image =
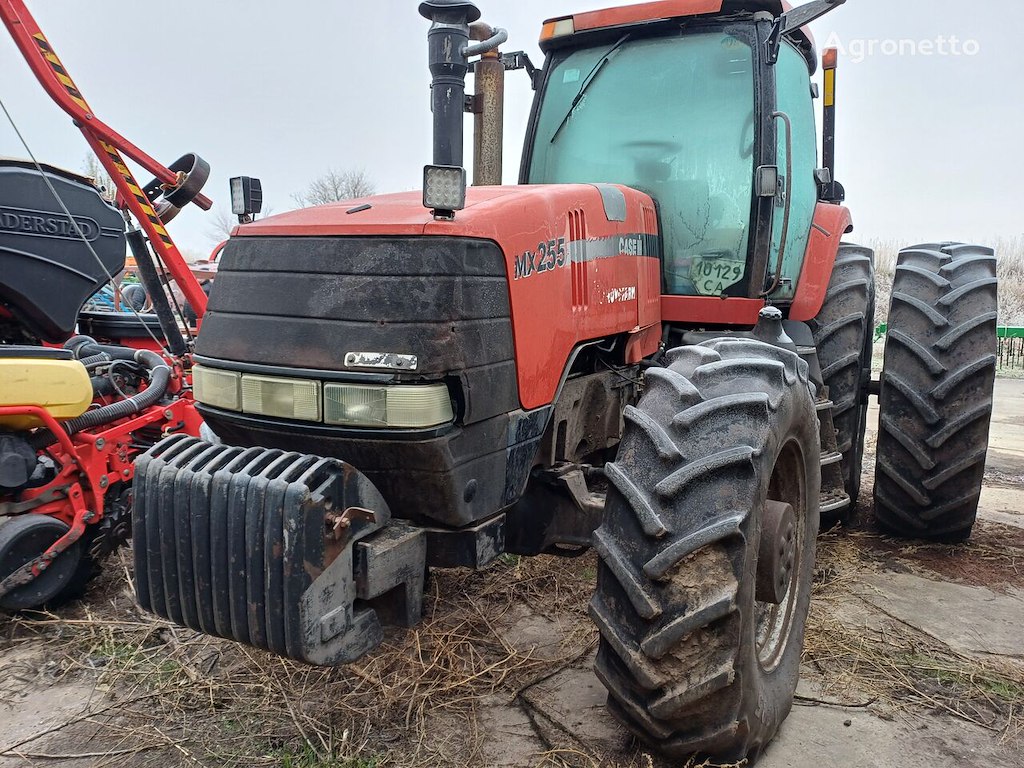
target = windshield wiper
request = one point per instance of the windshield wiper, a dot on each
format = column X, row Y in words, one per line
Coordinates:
column 591, row 76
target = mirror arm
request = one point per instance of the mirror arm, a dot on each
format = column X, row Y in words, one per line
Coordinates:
column 792, row 21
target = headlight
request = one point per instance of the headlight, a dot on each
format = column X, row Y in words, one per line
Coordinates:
column 221, row 389
column 413, row 406
column 283, row 398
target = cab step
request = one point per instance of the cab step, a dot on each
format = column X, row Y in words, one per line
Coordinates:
column 833, row 457
column 833, row 502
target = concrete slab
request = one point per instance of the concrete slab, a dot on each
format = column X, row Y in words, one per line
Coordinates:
column 575, row 700
column 832, row 737
column 511, row 738
column 47, row 707
column 968, row 619
column 1002, row 505
column 531, row 634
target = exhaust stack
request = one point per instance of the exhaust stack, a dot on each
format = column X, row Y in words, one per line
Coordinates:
column 488, row 110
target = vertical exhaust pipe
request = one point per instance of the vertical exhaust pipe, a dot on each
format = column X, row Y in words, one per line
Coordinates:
column 447, row 45
column 489, row 111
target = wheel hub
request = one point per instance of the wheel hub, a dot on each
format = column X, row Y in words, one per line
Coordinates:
column 777, row 553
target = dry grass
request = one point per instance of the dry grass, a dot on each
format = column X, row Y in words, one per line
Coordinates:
column 167, row 697
column 1011, row 275
column 414, row 701
column 866, row 658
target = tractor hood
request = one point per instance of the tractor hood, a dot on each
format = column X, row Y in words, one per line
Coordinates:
column 488, row 214
column 380, row 274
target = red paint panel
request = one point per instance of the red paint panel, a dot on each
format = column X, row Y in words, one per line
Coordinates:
column 643, row 344
column 547, row 323
column 830, row 223
column 710, row 310
column 661, row 9
column 634, row 14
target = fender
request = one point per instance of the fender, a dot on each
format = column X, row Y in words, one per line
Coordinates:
column 830, row 223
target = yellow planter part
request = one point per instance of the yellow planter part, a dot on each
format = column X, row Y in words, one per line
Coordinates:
column 62, row 387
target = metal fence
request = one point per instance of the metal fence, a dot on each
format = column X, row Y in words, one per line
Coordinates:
column 1011, row 346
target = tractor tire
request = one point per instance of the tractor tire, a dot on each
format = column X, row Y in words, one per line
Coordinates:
column 693, row 660
column 936, row 397
column 844, row 335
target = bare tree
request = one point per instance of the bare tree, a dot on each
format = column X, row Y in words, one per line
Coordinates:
column 91, row 167
column 220, row 225
column 333, row 185
column 222, row 221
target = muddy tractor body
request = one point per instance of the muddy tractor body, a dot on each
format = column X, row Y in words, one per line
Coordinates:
column 656, row 344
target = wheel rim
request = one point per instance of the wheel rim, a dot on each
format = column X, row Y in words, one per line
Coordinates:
column 774, row 621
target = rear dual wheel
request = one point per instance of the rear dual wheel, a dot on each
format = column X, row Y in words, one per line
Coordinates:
column 844, row 336
column 707, row 550
column 937, row 391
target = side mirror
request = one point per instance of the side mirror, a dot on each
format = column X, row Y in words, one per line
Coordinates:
column 766, row 181
column 246, row 197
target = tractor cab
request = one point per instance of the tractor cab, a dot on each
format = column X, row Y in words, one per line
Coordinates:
column 706, row 107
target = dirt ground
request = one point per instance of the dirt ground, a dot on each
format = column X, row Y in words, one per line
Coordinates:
column 914, row 657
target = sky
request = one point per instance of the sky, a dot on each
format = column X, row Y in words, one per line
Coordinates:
column 928, row 131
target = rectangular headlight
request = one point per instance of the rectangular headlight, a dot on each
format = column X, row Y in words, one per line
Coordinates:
column 412, row 406
column 283, row 398
column 216, row 388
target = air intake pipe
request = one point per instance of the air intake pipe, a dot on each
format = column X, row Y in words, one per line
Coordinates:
column 447, row 44
column 449, row 51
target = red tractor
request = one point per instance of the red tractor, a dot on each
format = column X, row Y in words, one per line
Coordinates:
column 656, row 345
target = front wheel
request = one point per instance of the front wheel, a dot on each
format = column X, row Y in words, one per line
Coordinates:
column 707, row 550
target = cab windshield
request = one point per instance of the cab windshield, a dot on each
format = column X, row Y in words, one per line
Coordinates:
column 672, row 117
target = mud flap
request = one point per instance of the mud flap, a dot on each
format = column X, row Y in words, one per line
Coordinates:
column 292, row 553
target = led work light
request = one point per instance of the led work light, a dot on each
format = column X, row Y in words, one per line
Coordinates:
column 246, row 196
column 444, row 188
